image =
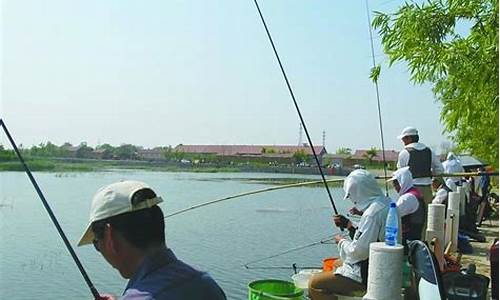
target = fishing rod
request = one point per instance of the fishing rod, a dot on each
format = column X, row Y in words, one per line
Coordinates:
column 375, row 81
column 92, row 288
column 327, row 240
column 301, row 184
column 297, row 108
column 274, row 188
column 462, row 174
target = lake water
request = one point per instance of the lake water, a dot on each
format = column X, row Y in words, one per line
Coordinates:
column 34, row 264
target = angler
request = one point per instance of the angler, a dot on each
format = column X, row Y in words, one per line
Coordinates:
column 127, row 227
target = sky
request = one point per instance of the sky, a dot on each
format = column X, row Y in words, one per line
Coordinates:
column 156, row 73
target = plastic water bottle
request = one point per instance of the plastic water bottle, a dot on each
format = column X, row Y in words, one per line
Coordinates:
column 391, row 226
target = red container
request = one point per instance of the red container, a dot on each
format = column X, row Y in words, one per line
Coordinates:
column 329, row 264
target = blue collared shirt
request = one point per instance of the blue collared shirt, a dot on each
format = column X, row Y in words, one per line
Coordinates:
column 162, row 276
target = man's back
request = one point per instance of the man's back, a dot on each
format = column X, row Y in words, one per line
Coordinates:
column 163, row 276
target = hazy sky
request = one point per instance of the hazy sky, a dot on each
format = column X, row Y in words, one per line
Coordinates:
column 201, row 72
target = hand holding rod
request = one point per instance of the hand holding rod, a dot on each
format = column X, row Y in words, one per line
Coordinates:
column 93, row 290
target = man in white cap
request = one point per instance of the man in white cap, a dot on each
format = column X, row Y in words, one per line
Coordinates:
column 127, row 227
column 421, row 161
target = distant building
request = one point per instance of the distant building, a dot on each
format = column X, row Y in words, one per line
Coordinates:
column 391, row 156
column 98, row 153
column 249, row 151
column 336, row 160
column 151, row 154
column 72, row 150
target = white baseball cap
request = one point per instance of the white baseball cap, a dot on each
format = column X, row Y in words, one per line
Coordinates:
column 113, row 200
column 408, row 131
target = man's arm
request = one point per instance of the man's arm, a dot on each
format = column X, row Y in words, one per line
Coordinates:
column 407, row 204
column 441, row 195
column 358, row 249
column 403, row 158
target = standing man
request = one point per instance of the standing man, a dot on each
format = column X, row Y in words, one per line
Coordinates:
column 421, row 160
column 484, row 185
column 127, row 227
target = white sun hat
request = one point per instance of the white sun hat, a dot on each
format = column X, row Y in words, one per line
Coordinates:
column 112, row 200
column 408, row 131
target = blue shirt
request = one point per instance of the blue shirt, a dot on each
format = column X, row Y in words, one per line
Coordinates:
column 163, row 277
column 484, row 182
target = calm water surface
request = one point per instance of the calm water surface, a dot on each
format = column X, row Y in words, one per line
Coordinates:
column 34, row 264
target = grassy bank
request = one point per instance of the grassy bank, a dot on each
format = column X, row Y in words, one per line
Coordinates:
column 91, row 165
column 57, row 165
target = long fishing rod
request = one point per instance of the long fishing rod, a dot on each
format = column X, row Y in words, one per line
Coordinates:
column 93, row 290
column 296, row 107
column 375, row 81
column 301, row 184
column 327, row 240
column 462, row 174
column 274, row 188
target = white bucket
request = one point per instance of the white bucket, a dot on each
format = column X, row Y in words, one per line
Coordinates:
column 301, row 279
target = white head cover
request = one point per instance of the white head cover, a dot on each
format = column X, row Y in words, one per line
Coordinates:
column 361, row 188
column 451, row 156
column 404, row 178
column 113, row 200
column 408, row 131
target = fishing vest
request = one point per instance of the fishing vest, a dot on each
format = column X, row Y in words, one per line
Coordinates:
column 420, row 162
column 413, row 223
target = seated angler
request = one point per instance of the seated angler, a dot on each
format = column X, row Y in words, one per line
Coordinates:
column 362, row 189
column 442, row 190
column 410, row 204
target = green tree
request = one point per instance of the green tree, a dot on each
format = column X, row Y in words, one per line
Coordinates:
column 371, row 154
column 343, row 151
column 126, row 151
column 300, row 157
column 84, row 151
column 108, row 151
column 461, row 67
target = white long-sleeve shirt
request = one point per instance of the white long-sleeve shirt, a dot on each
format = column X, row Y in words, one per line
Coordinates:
column 407, row 204
column 371, row 229
column 440, row 197
column 404, row 158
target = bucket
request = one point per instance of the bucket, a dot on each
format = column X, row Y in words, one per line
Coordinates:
column 272, row 289
column 301, row 280
column 329, row 264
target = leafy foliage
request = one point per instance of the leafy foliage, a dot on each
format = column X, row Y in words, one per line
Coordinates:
column 461, row 67
column 343, row 151
column 375, row 73
column 300, row 157
column 370, row 154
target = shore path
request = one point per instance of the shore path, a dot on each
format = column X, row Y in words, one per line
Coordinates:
column 481, row 250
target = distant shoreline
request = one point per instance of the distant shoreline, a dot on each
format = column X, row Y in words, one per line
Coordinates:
column 57, row 165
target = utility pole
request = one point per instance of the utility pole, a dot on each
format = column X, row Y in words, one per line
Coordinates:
column 300, row 134
column 324, row 138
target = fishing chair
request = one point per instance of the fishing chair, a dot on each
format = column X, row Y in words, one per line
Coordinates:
column 426, row 273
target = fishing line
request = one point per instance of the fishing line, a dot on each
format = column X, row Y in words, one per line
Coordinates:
column 327, row 240
column 378, row 98
column 297, row 108
column 93, row 290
